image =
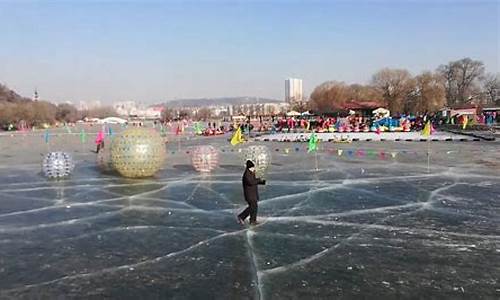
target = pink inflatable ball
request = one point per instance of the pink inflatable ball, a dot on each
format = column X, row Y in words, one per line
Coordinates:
column 205, row 158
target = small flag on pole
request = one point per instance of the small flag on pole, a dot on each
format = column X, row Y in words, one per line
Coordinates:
column 197, row 128
column 83, row 136
column 465, row 122
column 313, row 143
column 427, row 129
column 237, row 138
column 46, row 136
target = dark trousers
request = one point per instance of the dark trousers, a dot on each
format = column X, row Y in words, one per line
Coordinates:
column 99, row 147
column 250, row 210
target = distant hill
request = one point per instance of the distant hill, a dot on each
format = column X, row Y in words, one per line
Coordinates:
column 218, row 101
column 8, row 95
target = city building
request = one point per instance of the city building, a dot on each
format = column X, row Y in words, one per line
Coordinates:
column 293, row 90
column 86, row 105
column 134, row 110
column 125, row 108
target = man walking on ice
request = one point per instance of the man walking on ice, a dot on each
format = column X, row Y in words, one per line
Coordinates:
column 251, row 193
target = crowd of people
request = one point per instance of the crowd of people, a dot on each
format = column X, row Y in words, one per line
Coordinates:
column 357, row 123
column 347, row 123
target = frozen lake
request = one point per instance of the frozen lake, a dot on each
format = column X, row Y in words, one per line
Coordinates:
column 356, row 228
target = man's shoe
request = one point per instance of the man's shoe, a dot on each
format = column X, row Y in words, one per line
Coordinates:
column 240, row 220
column 254, row 223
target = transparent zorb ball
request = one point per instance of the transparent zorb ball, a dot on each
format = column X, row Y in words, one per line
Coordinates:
column 57, row 164
column 205, row 158
column 260, row 156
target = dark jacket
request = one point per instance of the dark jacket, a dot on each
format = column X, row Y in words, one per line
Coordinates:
column 250, row 183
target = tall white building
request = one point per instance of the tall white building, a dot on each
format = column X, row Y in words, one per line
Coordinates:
column 293, row 90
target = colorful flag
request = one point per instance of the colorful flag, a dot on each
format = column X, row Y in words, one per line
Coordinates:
column 110, row 131
column 46, row 136
column 83, row 136
column 427, row 129
column 197, row 128
column 178, row 130
column 237, row 138
column 465, row 122
column 313, row 143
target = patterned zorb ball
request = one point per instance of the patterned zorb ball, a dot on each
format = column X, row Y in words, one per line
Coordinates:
column 205, row 158
column 57, row 164
column 138, row 152
column 260, row 156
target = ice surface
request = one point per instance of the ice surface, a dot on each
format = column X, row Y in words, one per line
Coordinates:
column 356, row 228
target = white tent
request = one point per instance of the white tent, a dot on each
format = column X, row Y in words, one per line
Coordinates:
column 293, row 113
column 112, row 120
column 382, row 111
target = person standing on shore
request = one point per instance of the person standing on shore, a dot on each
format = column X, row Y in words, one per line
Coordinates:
column 251, row 193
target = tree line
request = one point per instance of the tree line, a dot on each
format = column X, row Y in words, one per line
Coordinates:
column 458, row 82
column 14, row 109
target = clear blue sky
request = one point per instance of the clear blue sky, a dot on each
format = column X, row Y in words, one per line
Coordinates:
column 152, row 51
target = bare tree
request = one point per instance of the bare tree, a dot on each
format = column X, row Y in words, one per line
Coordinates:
column 99, row 112
column 66, row 112
column 44, row 112
column 300, row 106
column 428, row 94
column 395, row 85
column 329, row 96
column 204, row 114
column 184, row 113
column 491, row 87
column 460, row 78
column 8, row 95
column 167, row 114
column 359, row 92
